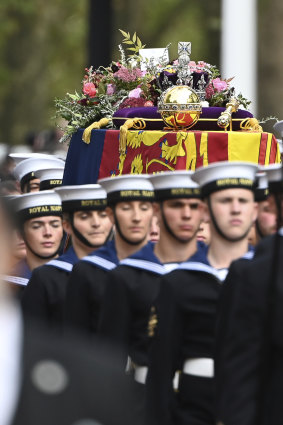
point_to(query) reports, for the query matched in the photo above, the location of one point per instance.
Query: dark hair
(8, 187)
(8, 213)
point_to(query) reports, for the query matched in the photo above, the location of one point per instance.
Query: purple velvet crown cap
(148, 112)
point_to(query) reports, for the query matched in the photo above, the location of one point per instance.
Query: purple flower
(136, 93)
(110, 89)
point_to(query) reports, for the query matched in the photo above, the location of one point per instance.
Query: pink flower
(128, 75)
(89, 89)
(201, 64)
(210, 90)
(219, 85)
(136, 93)
(110, 89)
(193, 66)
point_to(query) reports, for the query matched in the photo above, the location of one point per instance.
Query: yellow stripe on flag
(243, 146)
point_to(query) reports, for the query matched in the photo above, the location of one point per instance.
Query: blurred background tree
(45, 46)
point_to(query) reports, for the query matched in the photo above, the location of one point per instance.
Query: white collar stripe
(99, 261)
(144, 264)
(17, 280)
(200, 267)
(249, 255)
(61, 265)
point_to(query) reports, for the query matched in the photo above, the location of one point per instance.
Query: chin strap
(125, 239)
(220, 232)
(261, 235)
(83, 239)
(170, 231)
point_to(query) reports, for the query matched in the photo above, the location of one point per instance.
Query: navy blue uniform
(44, 296)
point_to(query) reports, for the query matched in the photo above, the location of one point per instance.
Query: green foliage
(134, 42)
(42, 55)
(43, 49)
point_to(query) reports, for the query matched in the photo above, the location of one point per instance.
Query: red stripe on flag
(110, 156)
(273, 150)
(262, 148)
(199, 159)
(217, 147)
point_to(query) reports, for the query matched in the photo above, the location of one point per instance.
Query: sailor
(18, 272)
(49, 380)
(127, 315)
(130, 210)
(40, 223)
(249, 368)
(25, 171)
(50, 178)
(186, 306)
(267, 218)
(85, 220)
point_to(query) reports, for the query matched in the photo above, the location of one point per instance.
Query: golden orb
(179, 107)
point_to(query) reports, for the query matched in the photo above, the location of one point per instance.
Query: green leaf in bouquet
(73, 96)
(139, 43)
(101, 89)
(123, 33)
(134, 37)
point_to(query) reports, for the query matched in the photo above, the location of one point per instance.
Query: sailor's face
(203, 234)
(32, 186)
(267, 216)
(234, 211)
(43, 235)
(19, 247)
(95, 226)
(183, 216)
(154, 231)
(134, 219)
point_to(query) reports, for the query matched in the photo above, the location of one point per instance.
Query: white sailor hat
(37, 204)
(50, 177)
(262, 188)
(174, 184)
(225, 175)
(275, 177)
(21, 156)
(25, 170)
(128, 187)
(82, 197)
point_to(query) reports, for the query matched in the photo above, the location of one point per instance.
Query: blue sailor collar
(65, 261)
(146, 259)
(205, 266)
(23, 270)
(104, 258)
